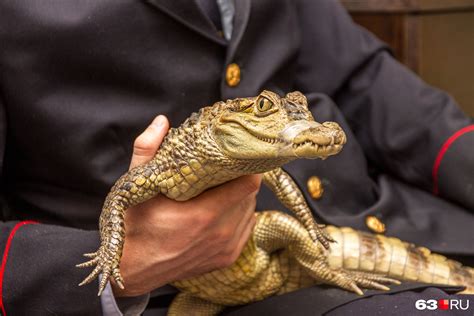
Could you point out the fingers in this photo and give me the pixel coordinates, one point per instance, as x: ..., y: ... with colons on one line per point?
x: 148, y: 142
x: 228, y: 242
x: 241, y: 219
x: 242, y: 233
x: 232, y: 192
x: 229, y: 252
x: 243, y: 238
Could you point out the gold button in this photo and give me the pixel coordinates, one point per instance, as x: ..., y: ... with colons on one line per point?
x: 232, y: 75
x: 315, y: 187
x: 375, y: 224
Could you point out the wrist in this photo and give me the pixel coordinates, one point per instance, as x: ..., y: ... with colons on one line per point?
x: 139, y: 275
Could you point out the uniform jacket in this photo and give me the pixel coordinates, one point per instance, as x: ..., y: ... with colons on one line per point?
x: 79, y: 81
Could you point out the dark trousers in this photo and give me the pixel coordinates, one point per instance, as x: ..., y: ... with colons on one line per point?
x: 400, y: 300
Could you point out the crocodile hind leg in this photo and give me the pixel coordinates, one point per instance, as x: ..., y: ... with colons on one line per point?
x: 136, y: 186
x: 290, y: 195
x: 186, y: 304
x: 275, y: 230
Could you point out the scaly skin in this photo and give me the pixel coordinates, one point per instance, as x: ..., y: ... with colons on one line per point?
x: 281, y: 257
x: 220, y: 143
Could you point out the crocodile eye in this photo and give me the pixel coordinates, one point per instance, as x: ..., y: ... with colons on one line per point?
x: 264, y: 104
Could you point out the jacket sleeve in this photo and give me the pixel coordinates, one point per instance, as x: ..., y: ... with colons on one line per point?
x: 38, y: 274
x: 406, y: 128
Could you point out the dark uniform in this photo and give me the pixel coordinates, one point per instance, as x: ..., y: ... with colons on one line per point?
x: 79, y: 80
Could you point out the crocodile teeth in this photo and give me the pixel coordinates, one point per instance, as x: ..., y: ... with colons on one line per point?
x: 316, y: 146
x: 269, y: 140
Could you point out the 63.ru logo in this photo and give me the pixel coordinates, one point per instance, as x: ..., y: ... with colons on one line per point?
x: 444, y: 304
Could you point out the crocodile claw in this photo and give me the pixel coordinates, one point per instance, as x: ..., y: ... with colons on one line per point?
x: 354, y: 280
x: 104, y: 265
x: 90, y: 255
x: 107, y: 258
x: 319, y: 234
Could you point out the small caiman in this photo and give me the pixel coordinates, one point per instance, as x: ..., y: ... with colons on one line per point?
x: 220, y: 143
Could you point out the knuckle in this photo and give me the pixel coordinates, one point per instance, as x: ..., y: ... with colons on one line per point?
x: 144, y: 142
x: 250, y: 205
x: 247, y: 206
x: 223, y: 235
x: 235, y: 255
x: 220, y: 264
x: 225, y: 261
x: 252, y: 222
x: 253, y: 185
x: 206, y: 219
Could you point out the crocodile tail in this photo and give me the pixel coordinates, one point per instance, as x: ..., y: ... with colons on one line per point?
x: 355, y: 250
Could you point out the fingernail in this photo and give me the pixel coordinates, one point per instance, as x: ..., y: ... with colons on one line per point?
x: 159, y: 121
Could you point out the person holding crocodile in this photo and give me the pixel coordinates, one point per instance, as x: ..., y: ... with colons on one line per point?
x: 69, y: 117
x: 257, y: 135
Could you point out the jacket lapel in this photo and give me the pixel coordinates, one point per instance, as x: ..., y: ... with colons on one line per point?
x: 188, y: 13
x: 242, y: 13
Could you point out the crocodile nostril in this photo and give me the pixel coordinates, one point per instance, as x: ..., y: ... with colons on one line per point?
x: 332, y: 125
x: 342, y: 137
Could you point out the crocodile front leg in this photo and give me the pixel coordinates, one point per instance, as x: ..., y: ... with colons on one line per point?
x: 290, y: 195
x: 136, y: 186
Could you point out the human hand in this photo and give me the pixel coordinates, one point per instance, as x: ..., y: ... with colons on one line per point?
x: 166, y: 240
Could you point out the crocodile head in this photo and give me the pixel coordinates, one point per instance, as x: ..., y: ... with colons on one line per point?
x: 272, y: 127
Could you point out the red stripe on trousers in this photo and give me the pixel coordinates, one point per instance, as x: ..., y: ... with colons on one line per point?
x: 5, y: 257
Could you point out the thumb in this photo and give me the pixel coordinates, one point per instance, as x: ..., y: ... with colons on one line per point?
x: 148, y: 142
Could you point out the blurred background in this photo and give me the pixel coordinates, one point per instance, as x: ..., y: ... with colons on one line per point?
x: 434, y: 38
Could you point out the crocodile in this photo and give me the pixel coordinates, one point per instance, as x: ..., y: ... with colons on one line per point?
x: 254, y: 135
x: 281, y: 257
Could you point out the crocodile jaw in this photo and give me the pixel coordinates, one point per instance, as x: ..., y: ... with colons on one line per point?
x: 311, y: 140
x: 298, y: 139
